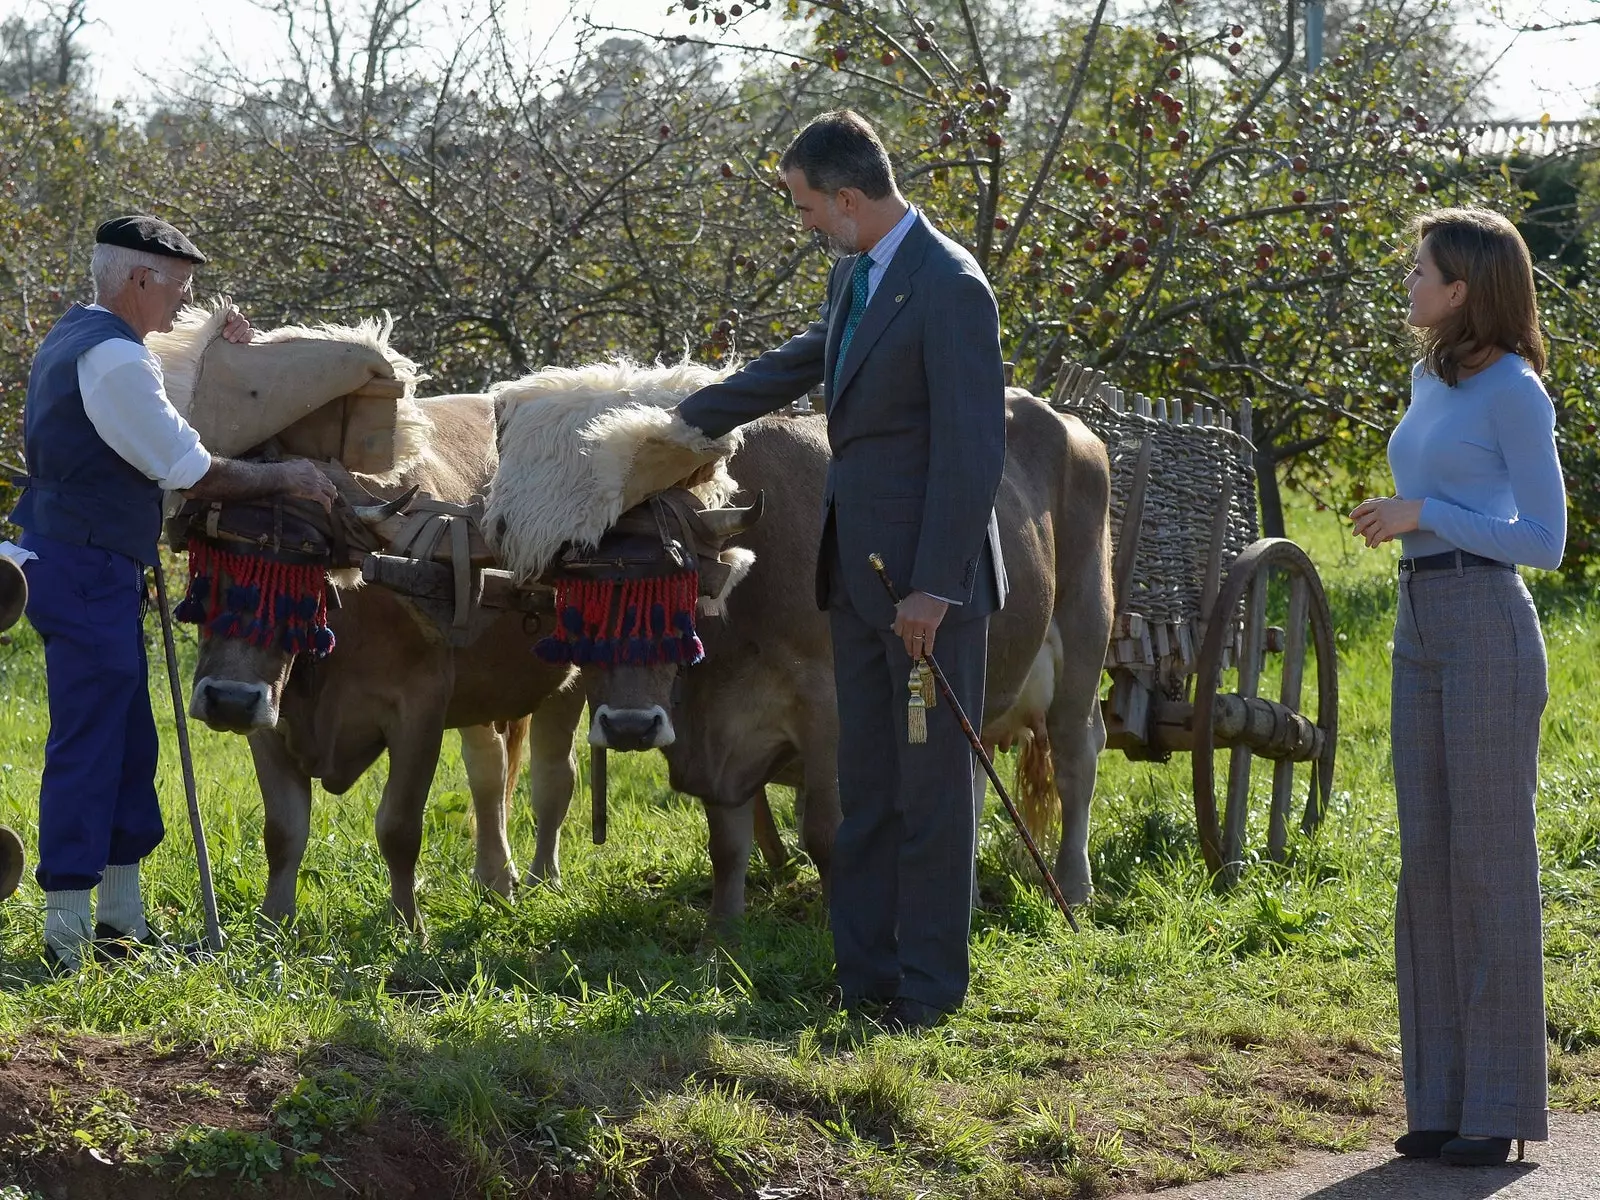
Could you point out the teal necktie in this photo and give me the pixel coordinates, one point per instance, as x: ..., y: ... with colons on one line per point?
x: 858, y: 307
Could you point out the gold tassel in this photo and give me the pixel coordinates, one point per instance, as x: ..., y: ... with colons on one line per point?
x: 916, y: 710
x: 930, y: 693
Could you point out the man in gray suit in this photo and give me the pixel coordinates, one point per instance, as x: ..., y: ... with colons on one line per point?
x: 908, y: 350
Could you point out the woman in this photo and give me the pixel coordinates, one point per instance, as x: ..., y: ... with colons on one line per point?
x: 1478, y: 490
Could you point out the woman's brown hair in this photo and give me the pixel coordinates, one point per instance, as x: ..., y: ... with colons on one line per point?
x: 1484, y: 250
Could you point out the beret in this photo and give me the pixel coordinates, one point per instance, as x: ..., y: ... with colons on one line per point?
x: 150, y: 234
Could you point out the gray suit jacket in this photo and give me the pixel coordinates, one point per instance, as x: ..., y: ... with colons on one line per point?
x: 916, y: 426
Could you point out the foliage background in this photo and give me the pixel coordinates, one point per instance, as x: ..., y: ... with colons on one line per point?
x: 1172, y: 199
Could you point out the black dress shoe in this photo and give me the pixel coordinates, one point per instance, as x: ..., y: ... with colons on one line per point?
x: 856, y: 1004
x: 1478, y: 1152
x: 1423, y: 1143
x: 905, y: 1015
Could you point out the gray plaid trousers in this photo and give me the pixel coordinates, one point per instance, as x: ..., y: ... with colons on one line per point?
x: 1469, y: 691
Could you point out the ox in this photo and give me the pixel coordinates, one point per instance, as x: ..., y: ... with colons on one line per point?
x: 392, y: 683
x: 761, y: 707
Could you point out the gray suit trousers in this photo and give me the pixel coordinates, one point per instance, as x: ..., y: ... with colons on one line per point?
x: 1469, y: 690
x: 901, y: 894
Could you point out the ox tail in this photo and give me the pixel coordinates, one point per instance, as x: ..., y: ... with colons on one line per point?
x: 515, y: 734
x: 1035, y: 787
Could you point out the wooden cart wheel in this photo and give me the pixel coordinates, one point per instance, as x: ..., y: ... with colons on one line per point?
x: 1307, y: 621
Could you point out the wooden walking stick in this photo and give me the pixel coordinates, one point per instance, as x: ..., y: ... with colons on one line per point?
x: 208, y: 891
x: 983, y: 756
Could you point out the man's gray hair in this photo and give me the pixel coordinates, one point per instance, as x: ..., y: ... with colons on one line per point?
x: 111, y: 267
x: 840, y: 150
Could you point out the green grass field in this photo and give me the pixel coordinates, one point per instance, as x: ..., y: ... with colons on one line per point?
x: 578, y: 1043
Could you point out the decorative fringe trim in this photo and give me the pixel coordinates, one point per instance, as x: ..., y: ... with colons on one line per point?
x: 265, y: 603
x: 625, y: 622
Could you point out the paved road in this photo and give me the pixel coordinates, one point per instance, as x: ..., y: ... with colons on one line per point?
x: 1567, y: 1167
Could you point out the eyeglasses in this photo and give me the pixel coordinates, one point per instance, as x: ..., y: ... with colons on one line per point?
x: 185, y: 289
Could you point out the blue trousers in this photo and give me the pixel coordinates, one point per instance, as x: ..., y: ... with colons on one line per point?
x: 97, y: 797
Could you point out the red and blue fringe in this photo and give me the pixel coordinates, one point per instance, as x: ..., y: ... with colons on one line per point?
x: 625, y: 622
x: 264, y: 602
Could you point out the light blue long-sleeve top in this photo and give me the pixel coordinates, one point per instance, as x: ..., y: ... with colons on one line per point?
x: 1481, y: 456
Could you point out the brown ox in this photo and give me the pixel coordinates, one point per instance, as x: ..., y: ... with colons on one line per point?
x: 392, y: 683
x: 761, y: 707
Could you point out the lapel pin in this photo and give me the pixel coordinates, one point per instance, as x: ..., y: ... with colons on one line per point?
x: 899, y: 298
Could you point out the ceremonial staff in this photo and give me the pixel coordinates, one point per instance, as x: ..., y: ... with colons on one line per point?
x: 208, y: 891
x: 983, y: 757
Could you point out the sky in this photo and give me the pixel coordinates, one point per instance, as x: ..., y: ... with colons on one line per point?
x: 135, y: 45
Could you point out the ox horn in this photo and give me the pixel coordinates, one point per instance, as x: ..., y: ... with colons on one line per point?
x: 13, y: 593
x: 374, y: 513
x: 727, y: 523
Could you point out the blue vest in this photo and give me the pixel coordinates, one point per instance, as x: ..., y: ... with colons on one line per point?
x: 79, y: 489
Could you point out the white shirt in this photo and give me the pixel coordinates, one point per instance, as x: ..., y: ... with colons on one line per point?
x: 882, y: 253
x: 125, y: 399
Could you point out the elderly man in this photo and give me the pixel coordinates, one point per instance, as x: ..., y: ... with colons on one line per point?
x: 102, y: 442
x: 908, y: 351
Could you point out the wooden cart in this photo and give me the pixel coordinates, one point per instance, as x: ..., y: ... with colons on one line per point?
x: 1209, y: 615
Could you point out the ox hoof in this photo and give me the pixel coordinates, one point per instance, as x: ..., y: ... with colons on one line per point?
x: 535, y: 879
x: 725, y: 935
x: 502, y: 884
x: 273, y: 925
x: 1076, y: 893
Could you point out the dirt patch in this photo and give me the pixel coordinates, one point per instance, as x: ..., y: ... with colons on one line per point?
x: 79, y: 1115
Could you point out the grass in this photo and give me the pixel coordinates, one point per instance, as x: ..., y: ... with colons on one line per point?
x: 580, y: 1039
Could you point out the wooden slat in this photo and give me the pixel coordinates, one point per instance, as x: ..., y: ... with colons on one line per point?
x: 1239, y: 762
x: 1294, y: 661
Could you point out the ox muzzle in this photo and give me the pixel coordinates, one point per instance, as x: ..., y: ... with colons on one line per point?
x: 232, y: 705
x: 631, y: 728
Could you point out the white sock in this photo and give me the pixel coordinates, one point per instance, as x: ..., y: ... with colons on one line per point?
x: 66, y: 924
x: 120, y: 904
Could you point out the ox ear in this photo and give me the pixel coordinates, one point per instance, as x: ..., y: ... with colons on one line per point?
x: 725, y: 524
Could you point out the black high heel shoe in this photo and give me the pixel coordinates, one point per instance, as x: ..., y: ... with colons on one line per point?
x: 1423, y: 1143
x: 1478, y: 1152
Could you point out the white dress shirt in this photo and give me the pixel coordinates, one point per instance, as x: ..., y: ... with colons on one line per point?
x: 125, y: 399
x: 883, y: 251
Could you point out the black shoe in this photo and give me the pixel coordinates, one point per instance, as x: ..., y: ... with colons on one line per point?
x: 861, y: 1007
x: 56, y: 965
x: 1423, y: 1143
x: 905, y: 1015
x: 1478, y: 1152
x: 112, y: 945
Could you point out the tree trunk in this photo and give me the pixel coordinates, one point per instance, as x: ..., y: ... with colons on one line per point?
x: 1270, y: 498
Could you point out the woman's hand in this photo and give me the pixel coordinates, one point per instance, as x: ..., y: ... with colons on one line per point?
x: 1384, y: 518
